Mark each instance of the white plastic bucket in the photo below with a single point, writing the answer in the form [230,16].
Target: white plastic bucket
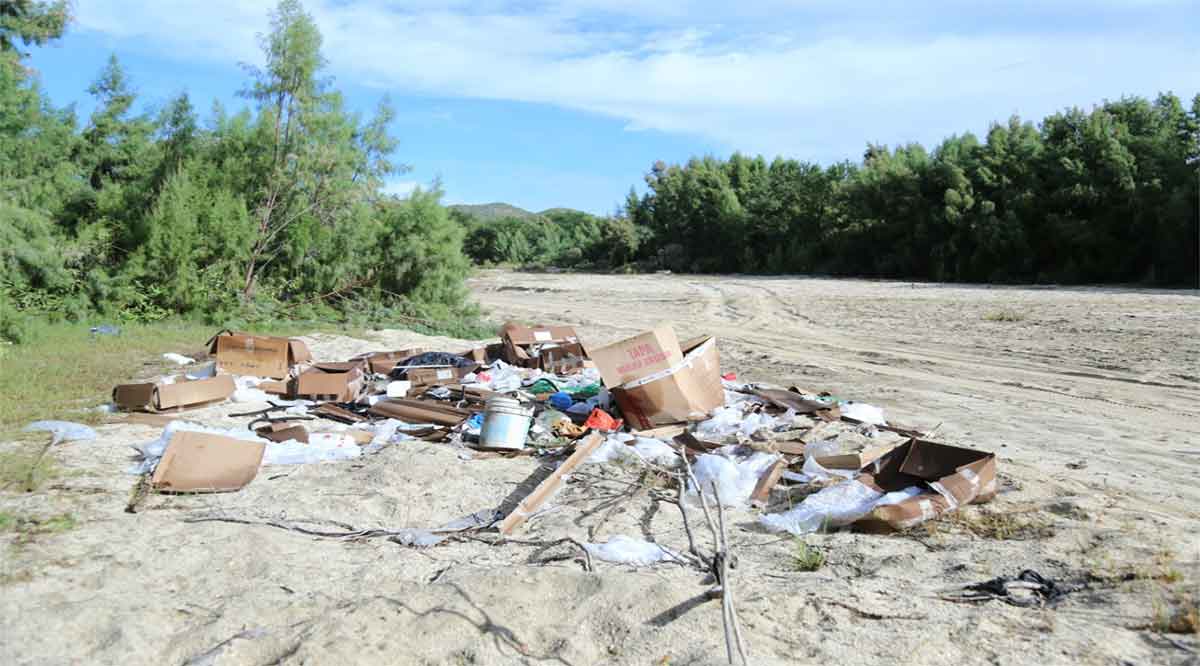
[505,424]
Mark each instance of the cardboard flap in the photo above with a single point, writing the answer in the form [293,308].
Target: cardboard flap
[299,351]
[212,342]
[202,462]
[184,392]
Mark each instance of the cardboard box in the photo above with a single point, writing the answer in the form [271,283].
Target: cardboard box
[340,382]
[485,355]
[180,393]
[257,356]
[521,342]
[955,477]
[381,363]
[638,357]
[431,376]
[201,462]
[563,359]
[686,391]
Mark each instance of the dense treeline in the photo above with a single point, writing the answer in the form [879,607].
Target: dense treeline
[274,210]
[1105,196]
[565,238]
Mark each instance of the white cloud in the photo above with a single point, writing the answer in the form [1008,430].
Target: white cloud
[814,80]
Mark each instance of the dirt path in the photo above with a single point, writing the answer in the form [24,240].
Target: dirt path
[1091,398]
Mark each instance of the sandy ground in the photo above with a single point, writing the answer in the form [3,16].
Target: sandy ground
[1091,401]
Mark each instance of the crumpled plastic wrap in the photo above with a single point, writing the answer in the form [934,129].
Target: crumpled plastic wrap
[63,431]
[835,506]
[732,471]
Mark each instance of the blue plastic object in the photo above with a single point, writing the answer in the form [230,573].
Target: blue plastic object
[561,401]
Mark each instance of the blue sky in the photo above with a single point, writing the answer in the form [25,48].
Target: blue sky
[568,103]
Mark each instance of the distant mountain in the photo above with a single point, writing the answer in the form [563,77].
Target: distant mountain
[551,211]
[492,211]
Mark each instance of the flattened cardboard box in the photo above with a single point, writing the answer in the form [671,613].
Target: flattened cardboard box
[430,376]
[201,462]
[180,393]
[638,357]
[955,477]
[342,382]
[689,390]
[257,356]
[381,363]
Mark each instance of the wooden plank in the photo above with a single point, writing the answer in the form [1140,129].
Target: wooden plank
[549,485]
[762,490]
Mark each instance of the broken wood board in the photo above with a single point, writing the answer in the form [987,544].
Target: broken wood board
[546,489]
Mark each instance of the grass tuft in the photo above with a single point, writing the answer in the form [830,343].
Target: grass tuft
[1008,316]
[806,557]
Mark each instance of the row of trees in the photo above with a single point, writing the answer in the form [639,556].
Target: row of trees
[275,208]
[565,238]
[1103,196]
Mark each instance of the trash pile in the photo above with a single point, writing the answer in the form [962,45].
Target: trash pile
[809,460]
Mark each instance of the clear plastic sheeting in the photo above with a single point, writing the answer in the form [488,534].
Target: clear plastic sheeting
[835,506]
[247,389]
[178,359]
[861,411]
[625,448]
[63,431]
[733,474]
[731,421]
[321,447]
[621,549]
[206,371]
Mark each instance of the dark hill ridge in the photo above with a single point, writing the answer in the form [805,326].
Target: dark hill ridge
[499,210]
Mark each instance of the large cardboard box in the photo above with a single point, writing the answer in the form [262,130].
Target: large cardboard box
[522,343]
[486,354]
[176,394]
[341,382]
[257,356]
[202,462]
[661,393]
[637,357]
[955,477]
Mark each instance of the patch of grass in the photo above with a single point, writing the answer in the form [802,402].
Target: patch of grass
[1176,613]
[29,528]
[1007,315]
[806,557]
[23,470]
[1001,525]
[63,370]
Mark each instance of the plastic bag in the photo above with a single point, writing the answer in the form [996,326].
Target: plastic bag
[63,431]
[621,549]
[321,447]
[861,411]
[601,420]
[179,359]
[733,474]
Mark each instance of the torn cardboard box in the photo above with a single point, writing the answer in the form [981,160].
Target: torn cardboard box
[257,356]
[954,477]
[485,355]
[381,363]
[563,359]
[340,382]
[523,344]
[654,392]
[173,393]
[201,462]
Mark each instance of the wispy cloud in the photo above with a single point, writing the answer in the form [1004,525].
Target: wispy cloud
[817,79]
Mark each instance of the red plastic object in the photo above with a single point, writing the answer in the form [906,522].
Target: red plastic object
[601,420]
[729,376]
